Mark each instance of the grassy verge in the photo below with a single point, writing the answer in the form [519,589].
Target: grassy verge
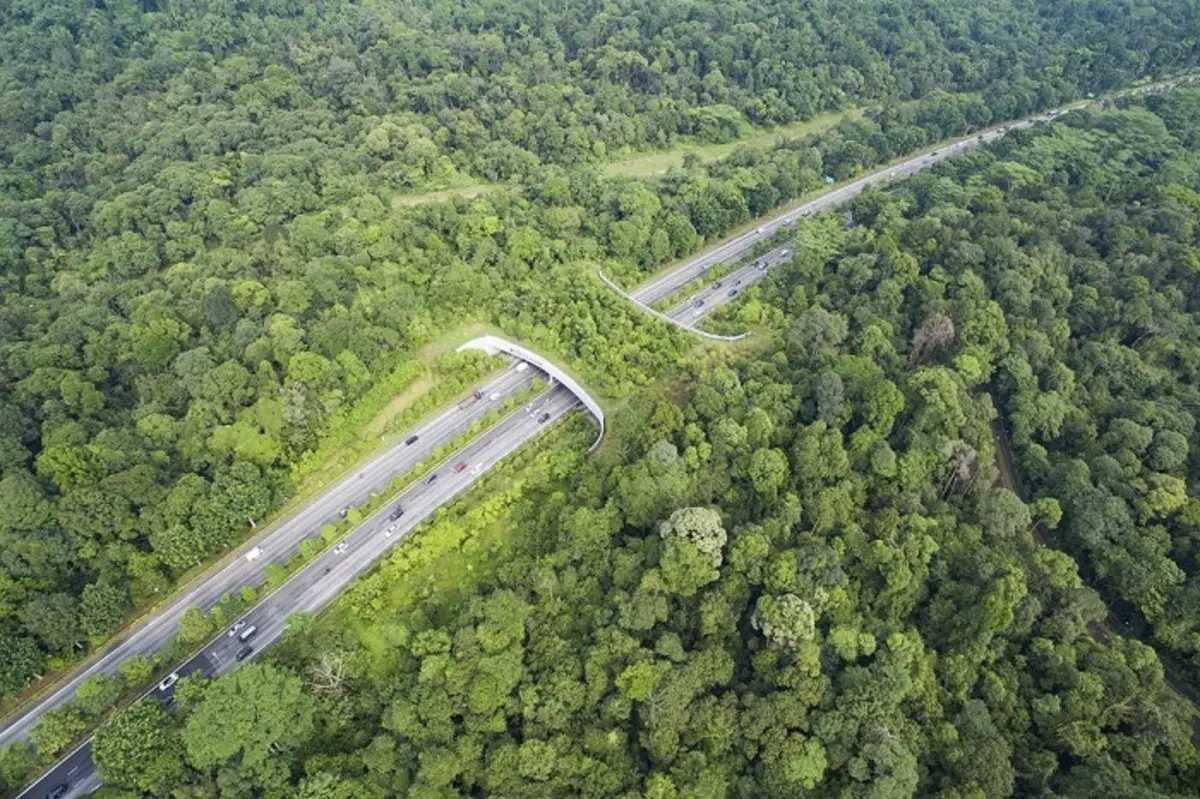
[459,546]
[466,191]
[649,164]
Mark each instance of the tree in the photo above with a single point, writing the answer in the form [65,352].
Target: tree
[57,729]
[22,661]
[701,527]
[136,748]
[247,714]
[1003,515]
[103,608]
[768,472]
[98,693]
[935,334]
[136,670]
[195,626]
[785,620]
[54,618]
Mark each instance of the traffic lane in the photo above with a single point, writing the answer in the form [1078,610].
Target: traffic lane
[738,246]
[693,311]
[74,772]
[330,573]
[279,544]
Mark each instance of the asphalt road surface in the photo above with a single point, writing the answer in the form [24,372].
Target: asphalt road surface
[741,246]
[692,310]
[280,542]
[328,575]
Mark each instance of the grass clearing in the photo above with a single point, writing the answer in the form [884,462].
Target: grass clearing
[656,163]
[397,405]
[466,191]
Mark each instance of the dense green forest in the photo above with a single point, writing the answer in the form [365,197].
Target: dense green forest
[793,570]
[203,277]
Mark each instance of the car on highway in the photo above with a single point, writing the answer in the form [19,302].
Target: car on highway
[244,653]
[344,511]
[248,633]
[758,230]
[477,468]
[254,554]
[168,681]
[58,791]
[341,547]
[391,530]
[718,284]
[431,479]
[696,303]
[460,467]
[396,513]
[733,292]
[494,396]
[545,417]
[408,442]
[522,366]
[237,625]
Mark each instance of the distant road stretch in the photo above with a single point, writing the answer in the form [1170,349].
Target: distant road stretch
[688,313]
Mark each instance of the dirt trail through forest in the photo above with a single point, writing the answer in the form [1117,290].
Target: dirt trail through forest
[1113,624]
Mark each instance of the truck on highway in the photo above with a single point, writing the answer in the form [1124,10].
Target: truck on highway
[472,398]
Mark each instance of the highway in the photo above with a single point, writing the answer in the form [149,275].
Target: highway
[741,246]
[278,543]
[328,575]
[692,310]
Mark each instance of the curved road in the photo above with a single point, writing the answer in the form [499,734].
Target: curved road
[320,581]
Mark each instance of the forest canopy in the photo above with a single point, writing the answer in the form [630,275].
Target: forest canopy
[808,573]
[205,276]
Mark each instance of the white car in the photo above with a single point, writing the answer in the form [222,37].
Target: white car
[237,625]
[391,530]
[340,548]
[254,554]
[495,396]
[168,681]
[522,366]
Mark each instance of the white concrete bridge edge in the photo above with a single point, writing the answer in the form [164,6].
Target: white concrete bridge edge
[494,344]
[664,317]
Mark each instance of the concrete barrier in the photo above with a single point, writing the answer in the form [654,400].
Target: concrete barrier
[495,344]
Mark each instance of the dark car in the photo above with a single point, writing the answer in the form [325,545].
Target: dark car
[545,417]
[431,479]
[408,442]
[244,653]
[733,292]
[58,791]
[396,513]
